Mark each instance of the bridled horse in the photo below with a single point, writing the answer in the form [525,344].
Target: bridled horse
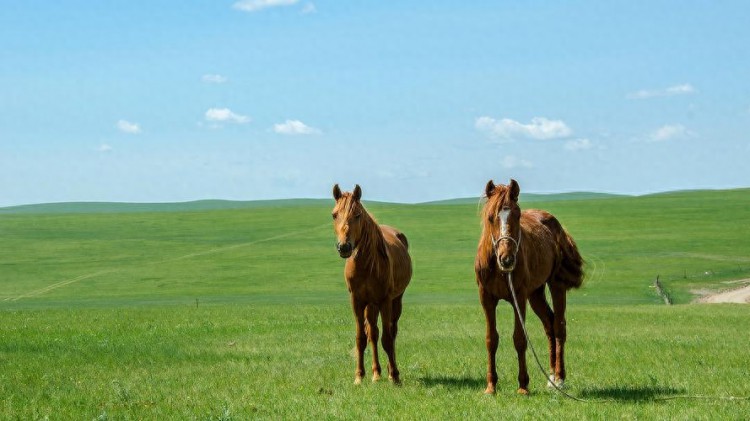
[377,271]
[533,250]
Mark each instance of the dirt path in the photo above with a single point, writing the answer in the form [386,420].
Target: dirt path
[738,295]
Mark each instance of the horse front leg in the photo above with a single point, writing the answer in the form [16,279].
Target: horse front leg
[371,315]
[489,305]
[389,340]
[519,341]
[360,340]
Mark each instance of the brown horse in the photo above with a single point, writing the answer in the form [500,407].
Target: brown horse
[377,271]
[532,249]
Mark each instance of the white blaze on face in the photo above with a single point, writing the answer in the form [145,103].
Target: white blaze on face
[503,216]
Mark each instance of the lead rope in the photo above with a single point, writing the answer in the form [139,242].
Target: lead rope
[575,398]
[533,351]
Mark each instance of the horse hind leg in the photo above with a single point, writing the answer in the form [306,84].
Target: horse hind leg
[396,307]
[371,326]
[558,293]
[390,312]
[542,309]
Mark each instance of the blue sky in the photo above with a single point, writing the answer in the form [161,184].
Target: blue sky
[171,101]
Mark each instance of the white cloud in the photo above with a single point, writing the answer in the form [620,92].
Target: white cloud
[683,89]
[511,161]
[214,78]
[104,148]
[256,5]
[294,127]
[128,127]
[669,132]
[539,128]
[225,115]
[578,145]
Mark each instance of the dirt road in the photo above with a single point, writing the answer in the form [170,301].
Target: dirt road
[738,295]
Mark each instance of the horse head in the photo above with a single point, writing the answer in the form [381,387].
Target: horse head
[503,222]
[347,219]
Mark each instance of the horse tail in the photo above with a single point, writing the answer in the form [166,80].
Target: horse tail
[570,270]
[403,239]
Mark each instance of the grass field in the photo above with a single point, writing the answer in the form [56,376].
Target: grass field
[231,310]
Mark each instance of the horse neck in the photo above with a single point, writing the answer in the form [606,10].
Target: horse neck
[371,248]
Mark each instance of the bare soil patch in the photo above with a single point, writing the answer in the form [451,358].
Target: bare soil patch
[739,295]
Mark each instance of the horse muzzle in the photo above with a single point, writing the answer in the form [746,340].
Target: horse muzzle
[506,264]
[345,249]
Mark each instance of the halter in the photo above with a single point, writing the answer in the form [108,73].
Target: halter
[517,244]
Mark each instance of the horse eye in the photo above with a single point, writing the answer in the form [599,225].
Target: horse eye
[334,215]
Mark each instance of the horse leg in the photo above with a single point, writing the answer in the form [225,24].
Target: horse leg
[541,308]
[396,315]
[489,305]
[389,341]
[558,303]
[519,341]
[360,339]
[371,315]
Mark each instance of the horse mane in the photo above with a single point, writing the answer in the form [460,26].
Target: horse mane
[372,248]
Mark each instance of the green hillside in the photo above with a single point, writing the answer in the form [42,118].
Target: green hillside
[260,251]
[114,207]
[224,310]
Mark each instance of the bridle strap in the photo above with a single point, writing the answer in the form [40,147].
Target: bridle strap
[517,244]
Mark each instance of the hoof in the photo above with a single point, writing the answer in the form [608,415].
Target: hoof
[395,380]
[490,390]
[553,382]
[522,391]
[358,380]
[375,377]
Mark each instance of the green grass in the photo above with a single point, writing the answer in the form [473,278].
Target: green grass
[241,312]
[293,361]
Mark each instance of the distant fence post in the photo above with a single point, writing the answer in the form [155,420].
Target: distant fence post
[662,292]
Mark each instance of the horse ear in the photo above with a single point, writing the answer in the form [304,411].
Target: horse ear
[336,192]
[357,194]
[489,188]
[515,190]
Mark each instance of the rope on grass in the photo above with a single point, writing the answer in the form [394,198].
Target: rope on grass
[575,398]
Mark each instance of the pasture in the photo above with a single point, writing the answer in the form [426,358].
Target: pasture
[239,310]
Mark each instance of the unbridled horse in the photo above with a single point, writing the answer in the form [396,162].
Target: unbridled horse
[533,250]
[377,272]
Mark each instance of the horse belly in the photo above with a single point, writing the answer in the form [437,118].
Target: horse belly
[368,289]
